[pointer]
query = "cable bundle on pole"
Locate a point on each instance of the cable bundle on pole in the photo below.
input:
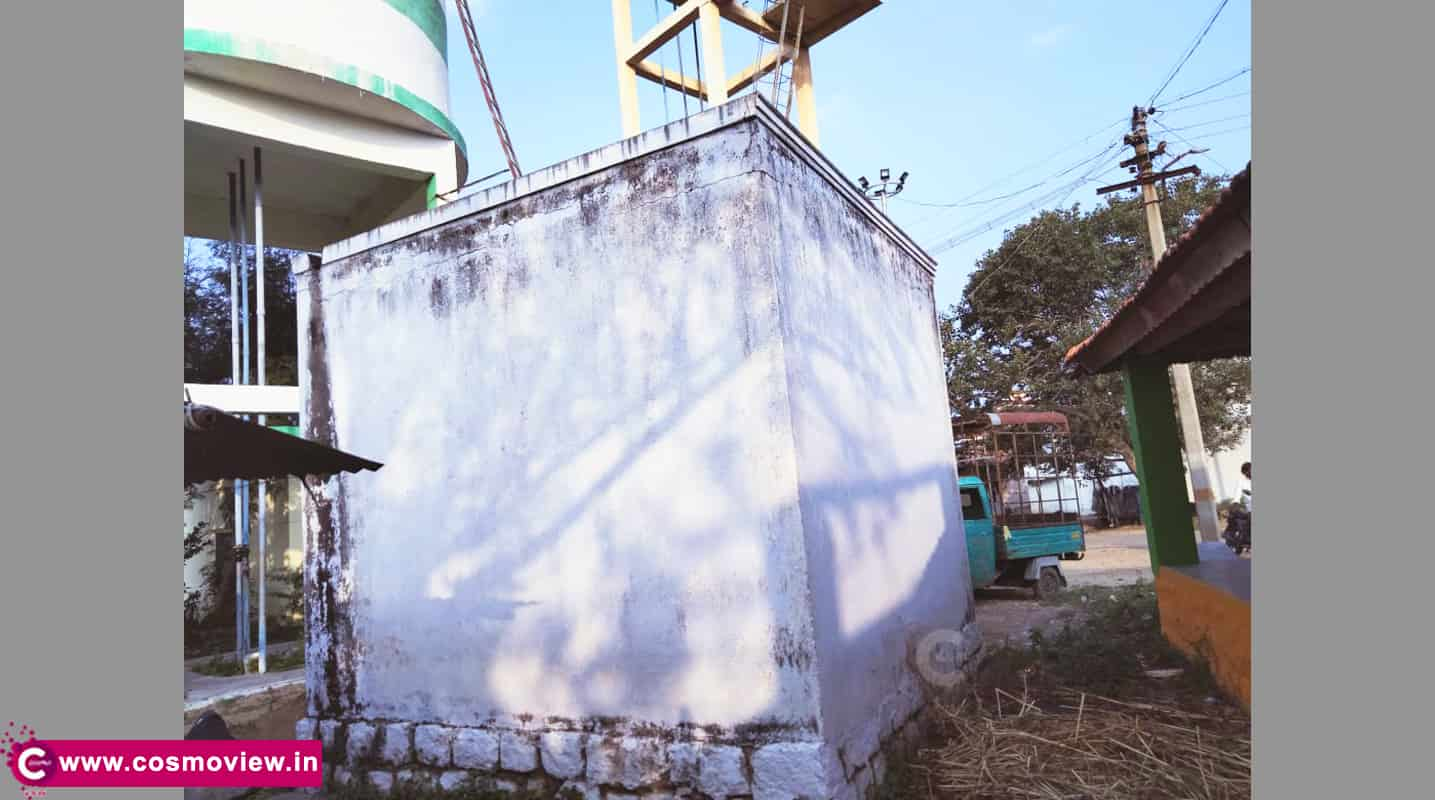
(471, 34)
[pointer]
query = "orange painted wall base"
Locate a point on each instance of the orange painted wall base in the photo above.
(1208, 617)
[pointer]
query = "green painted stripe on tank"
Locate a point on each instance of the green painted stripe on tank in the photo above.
(197, 40)
(429, 17)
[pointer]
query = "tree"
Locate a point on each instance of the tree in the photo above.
(206, 314)
(1049, 285)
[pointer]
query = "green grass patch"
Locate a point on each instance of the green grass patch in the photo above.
(1108, 648)
(227, 665)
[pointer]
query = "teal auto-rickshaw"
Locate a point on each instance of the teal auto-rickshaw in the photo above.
(1020, 509)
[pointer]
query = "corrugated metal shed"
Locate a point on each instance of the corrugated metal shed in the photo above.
(1195, 305)
(218, 446)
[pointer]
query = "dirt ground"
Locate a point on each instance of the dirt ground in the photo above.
(1114, 557)
(271, 714)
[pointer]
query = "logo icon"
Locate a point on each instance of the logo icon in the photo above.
(939, 658)
(30, 760)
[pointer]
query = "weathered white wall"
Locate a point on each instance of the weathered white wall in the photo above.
(666, 443)
(886, 553)
(588, 500)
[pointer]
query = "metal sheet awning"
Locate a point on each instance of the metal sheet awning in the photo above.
(1195, 305)
(218, 446)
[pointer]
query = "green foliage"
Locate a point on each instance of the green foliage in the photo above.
(197, 540)
(294, 605)
(1108, 650)
(1048, 286)
(207, 308)
(227, 665)
(901, 782)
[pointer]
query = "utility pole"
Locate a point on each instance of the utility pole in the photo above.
(1146, 179)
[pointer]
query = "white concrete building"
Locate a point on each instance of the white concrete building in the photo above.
(669, 497)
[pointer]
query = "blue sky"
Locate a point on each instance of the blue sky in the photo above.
(961, 94)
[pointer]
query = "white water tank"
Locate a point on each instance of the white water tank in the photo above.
(349, 100)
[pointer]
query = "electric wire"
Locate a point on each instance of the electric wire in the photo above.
(1187, 55)
(1207, 122)
(1224, 131)
(1018, 192)
(1063, 191)
(1000, 215)
(1169, 109)
(1033, 165)
(1188, 142)
(1222, 82)
(1088, 178)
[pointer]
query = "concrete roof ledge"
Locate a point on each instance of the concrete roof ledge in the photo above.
(749, 106)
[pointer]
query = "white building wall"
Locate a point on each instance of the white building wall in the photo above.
(1225, 469)
(886, 550)
(664, 449)
(588, 505)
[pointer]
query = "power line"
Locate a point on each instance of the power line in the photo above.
(1188, 142)
(1001, 216)
(1064, 191)
(1169, 109)
(1225, 131)
(1222, 82)
(1009, 195)
(941, 215)
(1207, 122)
(1088, 178)
(959, 201)
(1189, 52)
(968, 233)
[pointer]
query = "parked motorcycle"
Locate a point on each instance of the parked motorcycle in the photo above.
(1238, 530)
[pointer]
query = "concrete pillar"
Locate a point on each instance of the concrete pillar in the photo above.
(627, 78)
(806, 97)
(1156, 439)
(714, 72)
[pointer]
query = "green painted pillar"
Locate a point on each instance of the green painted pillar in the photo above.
(431, 192)
(1156, 438)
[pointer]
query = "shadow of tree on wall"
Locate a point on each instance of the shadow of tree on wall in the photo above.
(506, 562)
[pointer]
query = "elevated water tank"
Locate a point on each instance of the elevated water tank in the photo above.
(348, 98)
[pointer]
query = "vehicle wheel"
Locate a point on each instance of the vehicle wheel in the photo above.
(1048, 583)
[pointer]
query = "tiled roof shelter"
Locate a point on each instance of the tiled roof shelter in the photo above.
(1195, 306)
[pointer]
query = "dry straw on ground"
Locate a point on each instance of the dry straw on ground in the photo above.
(1072, 746)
